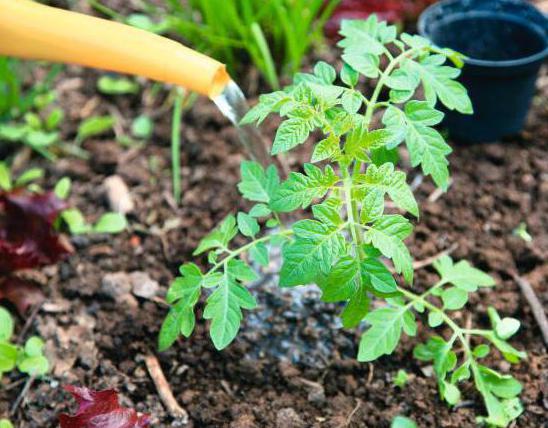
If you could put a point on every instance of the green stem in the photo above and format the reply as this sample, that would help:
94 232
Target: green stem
372 105
176 145
352 211
243 249
457 330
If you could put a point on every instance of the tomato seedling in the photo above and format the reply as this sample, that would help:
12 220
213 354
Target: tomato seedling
343 248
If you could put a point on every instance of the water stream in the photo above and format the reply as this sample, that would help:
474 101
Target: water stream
233 104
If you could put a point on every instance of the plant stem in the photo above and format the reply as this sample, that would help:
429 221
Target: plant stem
457 330
351 211
243 249
372 104
176 145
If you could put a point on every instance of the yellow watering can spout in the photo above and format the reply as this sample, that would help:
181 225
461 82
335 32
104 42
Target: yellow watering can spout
34 31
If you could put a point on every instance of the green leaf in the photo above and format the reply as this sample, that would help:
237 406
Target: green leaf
454 298
117 85
462 275
379 276
29 175
13 133
356 309
224 309
386 180
259 254
435 319
438 82
94 126
179 320
325 72
349 76
257 184
111 223
400 379
240 270
427 148
34 366
507 327
383 335
341 282
142 127
326 149
386 234
248 225
4 423
75 221
362 36
8 357
5 177
402 422
187 286
62 188
268 103
481 351
299 190
260 210
351 101
372 206
366 64
316 248
6 325
219 237
422 113
503 386
34 346
291 133
451 393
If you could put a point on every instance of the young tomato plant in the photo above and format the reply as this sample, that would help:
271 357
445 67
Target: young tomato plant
344 247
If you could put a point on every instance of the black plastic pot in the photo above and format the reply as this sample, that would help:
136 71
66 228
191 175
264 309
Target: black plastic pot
506 42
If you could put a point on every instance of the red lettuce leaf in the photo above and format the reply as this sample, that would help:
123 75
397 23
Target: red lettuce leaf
27 236
393 11
22 293
100 409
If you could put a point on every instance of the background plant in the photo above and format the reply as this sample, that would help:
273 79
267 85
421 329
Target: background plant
275 35
28 359
343 248
29 115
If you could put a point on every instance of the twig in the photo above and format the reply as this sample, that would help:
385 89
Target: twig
354 411
371 371
164 390
536 306
429 260
22 395
435 195
29 321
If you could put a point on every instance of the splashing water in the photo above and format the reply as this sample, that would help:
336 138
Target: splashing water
232 103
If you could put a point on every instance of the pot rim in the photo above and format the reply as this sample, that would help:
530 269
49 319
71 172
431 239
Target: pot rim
539 56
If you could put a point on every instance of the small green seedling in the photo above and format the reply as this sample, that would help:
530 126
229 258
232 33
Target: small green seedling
401 378
110 222
28 359
25 179
344 249
403 422
110 85
94 126
521 232
29 116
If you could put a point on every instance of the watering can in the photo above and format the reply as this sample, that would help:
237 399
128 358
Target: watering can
31 30
34 31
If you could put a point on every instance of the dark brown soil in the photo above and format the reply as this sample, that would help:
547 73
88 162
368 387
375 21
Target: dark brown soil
264 379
